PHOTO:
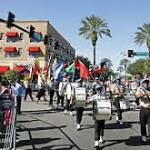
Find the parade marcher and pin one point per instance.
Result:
(51, 90)
(143, 93)
(61, 92)
(117, 93)
(69, 97)
(96, 84)
(41, 91)
(19, 93)
(99, 123)
(79, 109)
(28, 90)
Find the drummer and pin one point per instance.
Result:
(80, 109)
(99, 124)
(117, 93)
(143, 93)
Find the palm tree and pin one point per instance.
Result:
(143, 36)
(92, 28)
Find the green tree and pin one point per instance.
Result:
(92, 28)
(137, 68)
(108, 62)
(85, 60)
(124, 63)
(143, 36)
(11, 75)
(107, 73)
(108, 70)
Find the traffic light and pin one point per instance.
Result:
(130, 53)
(10, 19)
(46, 40)
(31, 32)
(56, 45)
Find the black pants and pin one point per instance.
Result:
(68, 107)
(60, 98)
(19, 104)
(51, 95)
(144, 119)
(41, 93)
(119, 111)
(28, 92)
(79, 114)
(99, 129)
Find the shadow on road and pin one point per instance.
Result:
(26, 121)
(118, 126)
(136, 141)
(39, 128)
(55, 147)
(34, 141)
(132, 141)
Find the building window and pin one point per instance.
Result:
(12, 39)
(1, 36)
(11, 54)
(34, 54)
(21, 36)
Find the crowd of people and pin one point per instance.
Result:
(76, 95)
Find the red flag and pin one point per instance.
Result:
(35, 69)
(45, 71)
(98, 70)
(84, 72)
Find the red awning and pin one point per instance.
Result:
(3, 69)
(10, 49)
(11, 34)
(34, 49)
(19, 68)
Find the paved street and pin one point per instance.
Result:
(40, 128)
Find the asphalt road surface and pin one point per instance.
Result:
(40, 128)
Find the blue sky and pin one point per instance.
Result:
(123, 18)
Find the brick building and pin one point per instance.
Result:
(18, 51)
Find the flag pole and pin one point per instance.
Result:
(73, 71)
(49, 62)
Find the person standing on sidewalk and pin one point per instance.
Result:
(19, 88)
(143, 93)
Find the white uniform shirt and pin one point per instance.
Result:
(139, 93)
(69, 91)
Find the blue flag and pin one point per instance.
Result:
(57, 70)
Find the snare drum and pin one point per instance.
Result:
(124, 105)
(102, 109)
(80, 97)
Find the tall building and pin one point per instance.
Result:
(18, 51)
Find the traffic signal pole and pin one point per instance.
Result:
(15, 25)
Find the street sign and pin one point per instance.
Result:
(141, 53)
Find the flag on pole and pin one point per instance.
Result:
(84, 72)
(49, 66)
(98, 70)
(57, 69)
(54, 63)
(70, 68)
